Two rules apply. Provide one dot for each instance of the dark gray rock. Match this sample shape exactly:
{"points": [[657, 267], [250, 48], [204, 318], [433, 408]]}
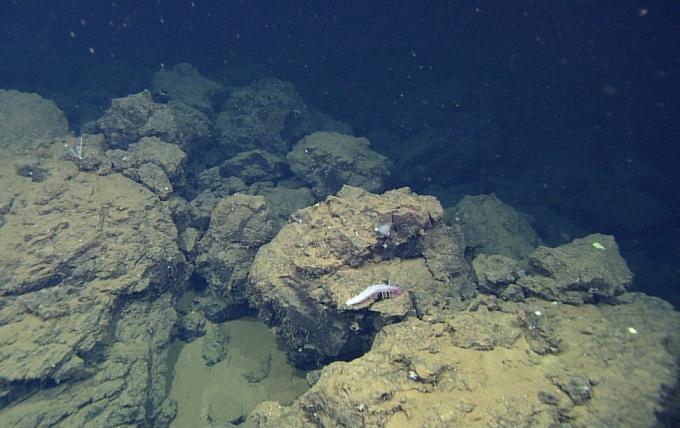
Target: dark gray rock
{"points": [[494, 273], [284, 201], [133, 117], [310, 120], [492, 227], [539, 331], [255, 116], [191, 326], [239, 225], [183, 83], [328, 160], [444, 252], [253, 166], [447, 156], [578, 388], [153, 177], [169, 157], [215, 345], [513, 292], [195, 126], [591, 267], [548, 289]]}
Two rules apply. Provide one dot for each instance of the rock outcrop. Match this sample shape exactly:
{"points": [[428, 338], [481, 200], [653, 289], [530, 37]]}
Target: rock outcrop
{"points": [[301, 280]]}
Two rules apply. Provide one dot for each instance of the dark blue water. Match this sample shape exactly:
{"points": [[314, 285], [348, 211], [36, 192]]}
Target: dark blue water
{"points": [[580, 98]]}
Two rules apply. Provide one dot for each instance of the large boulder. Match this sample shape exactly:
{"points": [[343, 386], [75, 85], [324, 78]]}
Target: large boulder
{"points": [[239, 225], [492, 227], [135, 116], [588, 269], [255, 117], [183, 83], [89, 267], [328, 160], [332, 251]]}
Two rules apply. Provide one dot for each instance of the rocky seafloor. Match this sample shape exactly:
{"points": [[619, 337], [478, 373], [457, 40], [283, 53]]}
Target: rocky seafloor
{"points": [[190, 205]]}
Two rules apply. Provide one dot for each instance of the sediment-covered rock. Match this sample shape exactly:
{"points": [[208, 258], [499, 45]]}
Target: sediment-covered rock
{"points": [[89, 268], [451, 373], [74, 248], [332, 251], [28, 120]]}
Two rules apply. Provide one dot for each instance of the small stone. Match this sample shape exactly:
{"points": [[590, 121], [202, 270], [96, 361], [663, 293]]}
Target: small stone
{"points": [[598, 246]]}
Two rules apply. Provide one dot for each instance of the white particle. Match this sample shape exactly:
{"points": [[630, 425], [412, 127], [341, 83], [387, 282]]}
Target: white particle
{"points": [[631, 330]]}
